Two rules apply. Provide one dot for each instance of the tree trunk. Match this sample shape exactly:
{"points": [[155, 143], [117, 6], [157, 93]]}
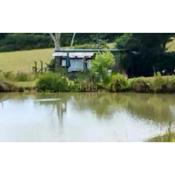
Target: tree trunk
{"points": [[73, 38], [56, 37]]}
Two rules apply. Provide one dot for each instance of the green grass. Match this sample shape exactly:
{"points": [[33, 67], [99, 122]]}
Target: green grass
{"points": [[171, 46], [23, 60], [168, 137], [27, 84]]}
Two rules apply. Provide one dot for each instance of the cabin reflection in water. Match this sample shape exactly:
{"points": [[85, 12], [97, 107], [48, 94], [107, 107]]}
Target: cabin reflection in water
{"points": [[59, 107]]}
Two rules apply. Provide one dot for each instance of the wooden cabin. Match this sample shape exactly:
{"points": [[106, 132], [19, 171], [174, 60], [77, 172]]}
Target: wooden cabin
{"points": [[77, 60]]}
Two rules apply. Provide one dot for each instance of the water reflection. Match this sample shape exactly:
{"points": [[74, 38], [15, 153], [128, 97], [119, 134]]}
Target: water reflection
{"points": [[146, 106], [168, 136], [58, 104], [87, 117]]}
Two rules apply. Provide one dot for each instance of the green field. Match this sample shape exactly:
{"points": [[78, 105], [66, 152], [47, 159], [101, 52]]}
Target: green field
{"points": [[23, 60]]}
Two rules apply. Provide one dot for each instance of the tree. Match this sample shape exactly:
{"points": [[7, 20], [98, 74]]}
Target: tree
{"points": [[73, 38], [149, 46], [101, 64], [56, 37]]}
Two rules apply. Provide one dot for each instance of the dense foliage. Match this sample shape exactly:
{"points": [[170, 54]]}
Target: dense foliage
{"points": [[24, 41], [53, 82], [101, 66], [157, 84], [118, 83], [144, 53]]}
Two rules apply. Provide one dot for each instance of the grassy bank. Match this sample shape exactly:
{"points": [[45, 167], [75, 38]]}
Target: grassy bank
{"points": [[155, 84], [20, 81], [56, 82], [168, 137]]}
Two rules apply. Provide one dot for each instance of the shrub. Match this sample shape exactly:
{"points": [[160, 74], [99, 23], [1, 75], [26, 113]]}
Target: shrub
{"points": [[164, 84], [140, 85], [53, 82], [170, 87], [118, 83], [158, 82]]}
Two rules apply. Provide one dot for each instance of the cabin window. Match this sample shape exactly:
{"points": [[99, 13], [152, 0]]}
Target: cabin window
{"points": [[63, 62], [76, 65]]}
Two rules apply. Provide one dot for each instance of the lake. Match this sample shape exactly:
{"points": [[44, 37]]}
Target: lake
{"points": [[86, 117]]}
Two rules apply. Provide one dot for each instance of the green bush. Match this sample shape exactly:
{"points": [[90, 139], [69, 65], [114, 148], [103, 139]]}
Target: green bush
{"points": [[53, 82], [118, 83], [140, 85], [171, 84], [101, 65], [159, 83], [163, 83]]}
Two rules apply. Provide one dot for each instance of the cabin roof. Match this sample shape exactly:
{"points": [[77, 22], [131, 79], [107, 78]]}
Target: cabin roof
{"points": [[88, 50], [80, 53], [74, 54]]}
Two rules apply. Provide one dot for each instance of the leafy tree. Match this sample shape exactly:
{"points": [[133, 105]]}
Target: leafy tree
{"points": [[101, 65], [143, 50], [23, 41]]}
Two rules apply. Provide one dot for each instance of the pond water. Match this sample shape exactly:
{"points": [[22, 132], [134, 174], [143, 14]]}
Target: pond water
{"points": [[86, 117]]}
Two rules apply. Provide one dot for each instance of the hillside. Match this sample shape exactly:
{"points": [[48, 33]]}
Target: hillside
{"points": [[23, 60]]}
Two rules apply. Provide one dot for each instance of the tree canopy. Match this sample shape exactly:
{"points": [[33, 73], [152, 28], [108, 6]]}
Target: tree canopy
{"points": [[149, 48], [24, 41]]}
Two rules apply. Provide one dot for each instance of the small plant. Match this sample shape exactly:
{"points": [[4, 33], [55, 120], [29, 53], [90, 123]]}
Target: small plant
{"points": [[118, 83]]}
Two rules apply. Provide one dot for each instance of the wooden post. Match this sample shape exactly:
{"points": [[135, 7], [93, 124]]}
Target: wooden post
{"points": [[35, 69], [41, 62]]}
